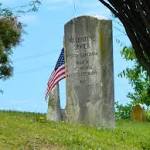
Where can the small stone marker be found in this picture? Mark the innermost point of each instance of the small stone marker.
(89, 61)
(138, 113)
(54, 111)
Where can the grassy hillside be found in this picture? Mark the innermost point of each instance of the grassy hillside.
(29, 131)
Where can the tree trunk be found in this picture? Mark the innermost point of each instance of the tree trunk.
(135, 17)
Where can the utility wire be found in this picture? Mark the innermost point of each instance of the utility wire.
(32, 56)
(32, 70)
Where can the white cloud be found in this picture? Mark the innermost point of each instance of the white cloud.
(86, 4)
(29, 18)
(92, 8)
(88, 7)
(52, 2)
(56, 4)
(11, 3)
(6, 2)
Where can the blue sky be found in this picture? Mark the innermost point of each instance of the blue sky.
(35, 58)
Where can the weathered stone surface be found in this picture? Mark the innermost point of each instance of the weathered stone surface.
(89, 61)
(138, 113)
(54, 111)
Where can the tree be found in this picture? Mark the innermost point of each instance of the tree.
(138, 78)
(10, 35)
(135, 17)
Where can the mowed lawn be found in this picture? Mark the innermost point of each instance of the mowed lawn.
(30, 131)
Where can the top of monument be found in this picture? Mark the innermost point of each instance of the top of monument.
(89, 16)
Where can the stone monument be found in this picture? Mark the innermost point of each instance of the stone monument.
(54, 111)
(89, 63)
(138, 114)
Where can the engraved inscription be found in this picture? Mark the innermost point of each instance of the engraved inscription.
(81, 42)
(82, 54)
(85, 54)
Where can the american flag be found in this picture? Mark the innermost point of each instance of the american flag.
(57, 75)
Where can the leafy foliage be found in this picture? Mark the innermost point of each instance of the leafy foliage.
(134, 15)
(148, 115)
(10, 35)
(122, 111)
(138, 78)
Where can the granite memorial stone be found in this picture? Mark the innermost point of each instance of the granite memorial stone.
(54, 111)
(89, 63)
(138, 113)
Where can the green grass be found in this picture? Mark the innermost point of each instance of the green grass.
(30, 131)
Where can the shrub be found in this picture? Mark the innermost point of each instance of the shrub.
(148, 115)
(122, 111)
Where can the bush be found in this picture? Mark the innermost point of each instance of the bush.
(147, 115)
(122, 111)
(10, 36)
